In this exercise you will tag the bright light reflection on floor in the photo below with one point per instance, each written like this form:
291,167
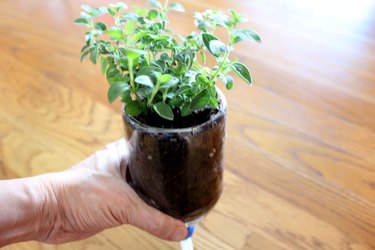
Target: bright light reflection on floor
339,11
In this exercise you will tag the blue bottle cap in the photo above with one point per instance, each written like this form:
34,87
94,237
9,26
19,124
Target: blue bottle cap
191,230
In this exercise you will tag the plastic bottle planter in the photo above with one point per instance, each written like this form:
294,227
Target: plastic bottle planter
178,171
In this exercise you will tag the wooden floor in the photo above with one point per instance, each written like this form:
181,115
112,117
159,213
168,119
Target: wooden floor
300,152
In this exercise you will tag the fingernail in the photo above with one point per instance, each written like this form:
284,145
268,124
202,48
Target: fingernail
179,234
191,231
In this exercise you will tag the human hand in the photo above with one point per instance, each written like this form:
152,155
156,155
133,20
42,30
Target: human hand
93,196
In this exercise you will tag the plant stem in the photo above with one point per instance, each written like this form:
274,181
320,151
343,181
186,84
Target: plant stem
117,17
165,95
149,57
165,5
132,85
91,24
164,16
154,91
212,78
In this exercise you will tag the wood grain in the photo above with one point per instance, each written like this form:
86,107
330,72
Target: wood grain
300,161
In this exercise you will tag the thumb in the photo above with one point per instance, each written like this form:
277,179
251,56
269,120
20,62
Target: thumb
155,222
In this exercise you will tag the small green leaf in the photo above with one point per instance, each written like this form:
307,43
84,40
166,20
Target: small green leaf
200,22
212,91
165,57
93,54
88,38
141,20
86,7
220,19
245,34
116,89
213,102
84,54
118,6
207,38
177,7
95,33
148,71
84,47
176,101
85,15
156,27
129,28
170,95
165,78
228,82
139,36
122,21
155,3
133,56
134,108
130,16
168,84
112,72
185,109
202,79
181,69
242,71
237,18
152,14
103,9
100,26
183,89
144,80
122,5
114,34
200,100
140,12
217,47
111,11
126,97
91,11
164,110
81,21
103,64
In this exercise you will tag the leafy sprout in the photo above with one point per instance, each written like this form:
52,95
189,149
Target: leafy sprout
153,69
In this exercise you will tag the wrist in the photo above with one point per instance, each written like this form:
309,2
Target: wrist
43,197
19,220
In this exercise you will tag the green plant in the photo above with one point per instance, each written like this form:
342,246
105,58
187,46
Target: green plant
154,69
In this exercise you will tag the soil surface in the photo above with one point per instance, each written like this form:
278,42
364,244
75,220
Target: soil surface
154,120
